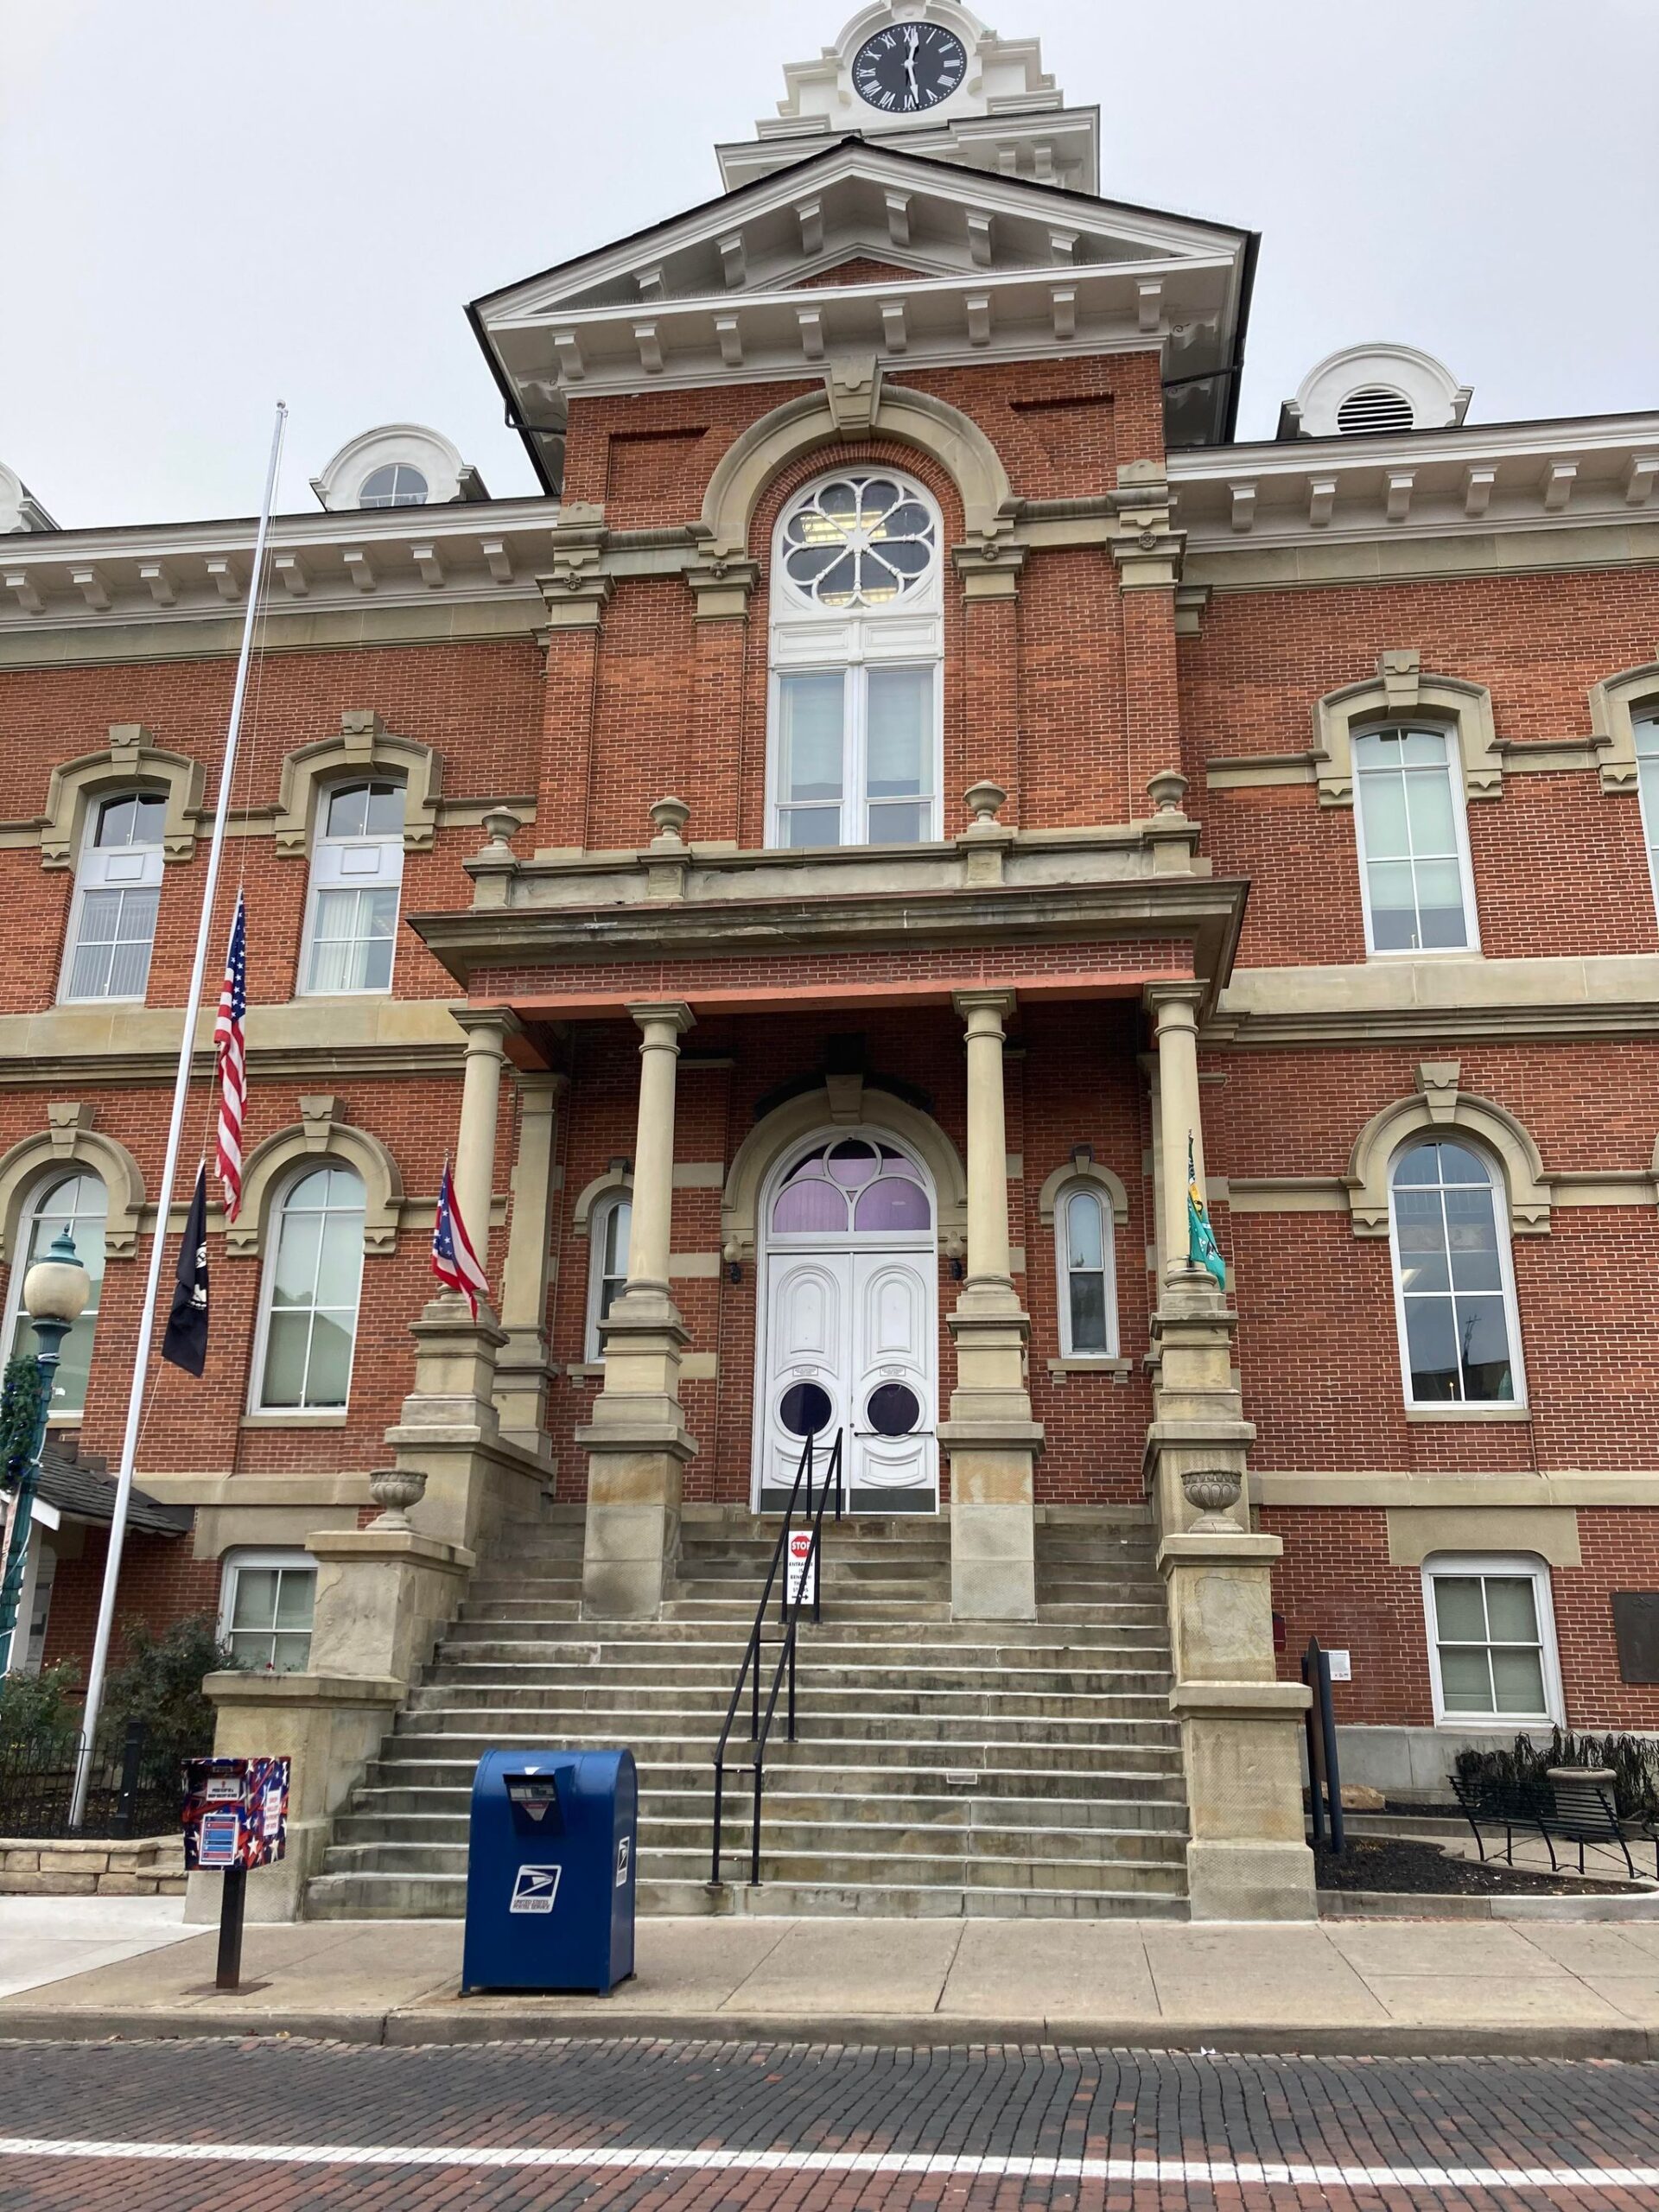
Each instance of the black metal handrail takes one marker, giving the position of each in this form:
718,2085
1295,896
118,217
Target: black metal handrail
789,1616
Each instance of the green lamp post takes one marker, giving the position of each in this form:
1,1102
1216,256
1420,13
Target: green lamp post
55,1292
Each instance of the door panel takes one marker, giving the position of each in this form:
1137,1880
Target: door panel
807,1300
894,1441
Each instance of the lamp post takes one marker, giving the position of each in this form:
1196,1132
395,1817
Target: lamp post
55,1292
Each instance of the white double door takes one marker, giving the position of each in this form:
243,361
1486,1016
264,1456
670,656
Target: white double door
851,1345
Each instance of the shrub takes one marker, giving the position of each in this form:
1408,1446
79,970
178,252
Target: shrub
1633,1760
41,1707
159,1681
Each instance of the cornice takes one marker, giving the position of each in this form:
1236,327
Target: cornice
1593,999
1356,503
1204,911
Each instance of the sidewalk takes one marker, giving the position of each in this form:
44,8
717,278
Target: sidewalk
1538,1988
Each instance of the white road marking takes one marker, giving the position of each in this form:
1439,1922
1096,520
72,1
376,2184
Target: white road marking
967,2166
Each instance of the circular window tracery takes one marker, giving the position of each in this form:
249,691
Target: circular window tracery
852,1184
859,541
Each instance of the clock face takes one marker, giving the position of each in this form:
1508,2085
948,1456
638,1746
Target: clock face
911,66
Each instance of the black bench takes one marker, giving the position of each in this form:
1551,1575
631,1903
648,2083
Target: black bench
1561,1810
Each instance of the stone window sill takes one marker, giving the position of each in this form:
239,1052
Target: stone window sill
1119,1368
1468,1413
294,1421
587,1370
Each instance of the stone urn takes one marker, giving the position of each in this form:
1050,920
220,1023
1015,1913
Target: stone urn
1211,1492
394,1490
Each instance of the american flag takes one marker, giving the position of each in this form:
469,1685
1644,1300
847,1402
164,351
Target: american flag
230,1049
453,1261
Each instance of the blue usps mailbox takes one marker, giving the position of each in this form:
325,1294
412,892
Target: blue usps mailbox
551,1873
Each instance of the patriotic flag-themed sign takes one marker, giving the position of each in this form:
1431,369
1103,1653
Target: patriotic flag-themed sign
453,1261
231,1052
185,1341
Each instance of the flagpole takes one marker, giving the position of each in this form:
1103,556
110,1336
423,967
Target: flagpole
170,1166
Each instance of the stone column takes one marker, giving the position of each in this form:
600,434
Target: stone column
1175,1011
522,1369
486,1029
991,1438
637,1442
449,1429
1239,1724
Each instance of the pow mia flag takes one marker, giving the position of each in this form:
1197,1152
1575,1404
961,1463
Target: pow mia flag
185,1341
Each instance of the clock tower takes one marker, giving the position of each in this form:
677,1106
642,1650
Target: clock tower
928,76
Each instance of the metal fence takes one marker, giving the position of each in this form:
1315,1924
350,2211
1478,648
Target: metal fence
136,1788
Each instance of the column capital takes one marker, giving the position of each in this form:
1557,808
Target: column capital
990,1003
1175,1005
659,1013
487,1027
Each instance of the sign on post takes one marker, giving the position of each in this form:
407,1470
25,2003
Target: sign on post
801,1584
235,1817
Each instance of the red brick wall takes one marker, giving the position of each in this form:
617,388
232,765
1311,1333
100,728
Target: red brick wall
1248,685
162,1581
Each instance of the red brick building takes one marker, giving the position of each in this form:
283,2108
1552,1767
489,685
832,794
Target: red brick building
901,651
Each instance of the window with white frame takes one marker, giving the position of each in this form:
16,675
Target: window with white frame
1646,766
357,870
117,893
79,1203
1416,885
266,1602
1085,1260
857,636
1491,1639
1454,1287
608,1226
308,1319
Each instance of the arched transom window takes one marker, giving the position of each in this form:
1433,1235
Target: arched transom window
1459,1339
856,639
855,1186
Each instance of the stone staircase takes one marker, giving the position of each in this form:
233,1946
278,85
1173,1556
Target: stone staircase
943,1767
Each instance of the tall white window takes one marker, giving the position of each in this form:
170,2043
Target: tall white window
307,1320
608,1227
117,891
857,637
266,1601
1454,1289
1491,1639
1084,1255
1417,887
1647,763
357,869
79,1203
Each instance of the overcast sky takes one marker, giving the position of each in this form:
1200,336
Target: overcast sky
206,207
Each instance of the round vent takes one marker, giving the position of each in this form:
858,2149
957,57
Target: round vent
1373,409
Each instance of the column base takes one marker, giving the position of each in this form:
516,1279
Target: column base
632,1536
993,1518
1240,1748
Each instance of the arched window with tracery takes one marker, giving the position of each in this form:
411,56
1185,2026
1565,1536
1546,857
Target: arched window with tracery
856,641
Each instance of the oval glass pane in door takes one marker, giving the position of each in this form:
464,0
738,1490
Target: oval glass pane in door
805,1409
893,1409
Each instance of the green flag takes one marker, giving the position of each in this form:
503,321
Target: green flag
1201,1248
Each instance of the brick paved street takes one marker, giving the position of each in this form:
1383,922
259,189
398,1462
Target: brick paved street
700,2127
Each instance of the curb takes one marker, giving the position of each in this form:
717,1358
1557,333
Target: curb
1453,1904
458,2024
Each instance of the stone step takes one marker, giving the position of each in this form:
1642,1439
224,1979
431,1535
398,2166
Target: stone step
415,1896
654,1753
817,1718
783,1832
503,1662
1106,1698
1064,1795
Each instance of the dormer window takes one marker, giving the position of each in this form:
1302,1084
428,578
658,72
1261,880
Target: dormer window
856,645
394,485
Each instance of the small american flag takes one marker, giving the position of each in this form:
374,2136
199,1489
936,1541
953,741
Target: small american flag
453,1261
230,1049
